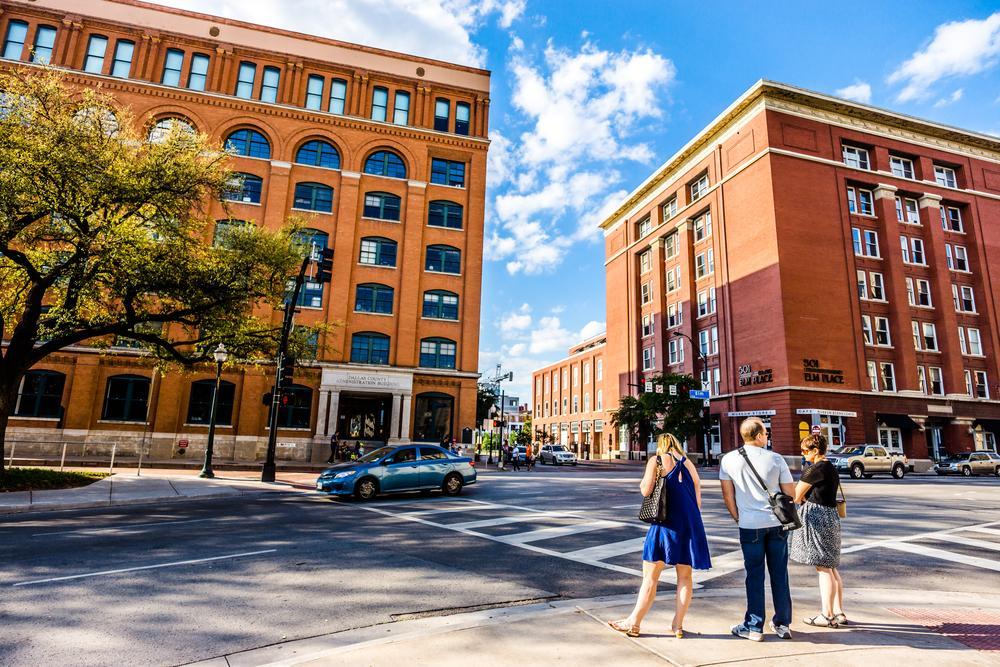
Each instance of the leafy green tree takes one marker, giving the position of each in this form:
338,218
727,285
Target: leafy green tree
522,438
656,412
105,233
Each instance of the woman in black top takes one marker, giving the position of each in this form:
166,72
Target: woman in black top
818,541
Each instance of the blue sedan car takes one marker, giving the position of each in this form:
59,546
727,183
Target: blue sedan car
398,468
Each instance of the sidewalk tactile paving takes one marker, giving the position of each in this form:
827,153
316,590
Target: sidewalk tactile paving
975,628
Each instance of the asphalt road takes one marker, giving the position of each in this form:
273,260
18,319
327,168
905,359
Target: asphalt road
182,583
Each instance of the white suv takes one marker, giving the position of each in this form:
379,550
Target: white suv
556,455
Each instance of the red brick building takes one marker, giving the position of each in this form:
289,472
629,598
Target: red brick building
818,262
384,156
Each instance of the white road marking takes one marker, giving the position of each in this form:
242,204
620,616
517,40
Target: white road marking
969,542
921,550
984,531
445,510
504,520
909,538
126,527
557,531
604,551
144,567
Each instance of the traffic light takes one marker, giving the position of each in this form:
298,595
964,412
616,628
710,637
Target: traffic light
287,370
324,267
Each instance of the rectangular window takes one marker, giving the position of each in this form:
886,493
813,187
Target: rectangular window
338,96
442,114
913,250
380,102
675,351
702,227
643,227
975,342
951,219
923,293
670,245
930,337
586,373
856,157
463,113
647,325
866,330
860,201
600,370
674,315
13,43
945,176
922,379
958,257
648,358
269,85
888,376
600,400
965,300
907,211
646,293
172,67
876,287
698,188
446,172
706,302
968,383
882,337
704,263
644,261
673,279
401,108
917,341
982,388
865,242
198,72
670,208
936,378
873,375
314,92
245,81
45,41
96,47
901,167
862,284
961,341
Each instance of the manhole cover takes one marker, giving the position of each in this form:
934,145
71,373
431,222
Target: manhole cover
975,628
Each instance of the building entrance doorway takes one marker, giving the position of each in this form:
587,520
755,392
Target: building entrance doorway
364,417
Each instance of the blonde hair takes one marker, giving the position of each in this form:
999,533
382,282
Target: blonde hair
666,442
751,428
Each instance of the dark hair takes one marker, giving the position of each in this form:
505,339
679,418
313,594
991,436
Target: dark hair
815,442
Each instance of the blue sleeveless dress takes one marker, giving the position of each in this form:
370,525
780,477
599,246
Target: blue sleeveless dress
681,540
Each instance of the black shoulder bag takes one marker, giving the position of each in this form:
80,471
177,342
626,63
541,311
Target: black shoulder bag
655,506
781,503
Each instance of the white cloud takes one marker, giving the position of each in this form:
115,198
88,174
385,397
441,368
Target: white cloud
951,99
859,91
432,28
959,48
513,323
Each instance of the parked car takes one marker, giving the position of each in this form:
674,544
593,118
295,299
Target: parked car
868,460
556,455
399,468
969,464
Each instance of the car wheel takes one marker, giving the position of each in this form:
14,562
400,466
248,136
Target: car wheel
857,471
898,471
452,484
967,471
574,462
366,488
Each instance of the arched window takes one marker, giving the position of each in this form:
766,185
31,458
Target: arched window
373,298
163,127
445,214
200,403
432,416
295,410
249,143
385,163
223,229
318,153
40,394
443,259
377,251
441,305
244,188
437,353
370,348
313,197
126,398
381,205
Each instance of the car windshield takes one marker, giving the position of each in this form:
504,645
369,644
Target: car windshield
376,455
559,448
848,451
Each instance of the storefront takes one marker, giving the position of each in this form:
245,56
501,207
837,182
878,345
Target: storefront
832,424
737,419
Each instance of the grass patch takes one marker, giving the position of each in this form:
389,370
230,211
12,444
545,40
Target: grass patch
42,479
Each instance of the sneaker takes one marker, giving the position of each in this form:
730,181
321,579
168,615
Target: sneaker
745,632
781,630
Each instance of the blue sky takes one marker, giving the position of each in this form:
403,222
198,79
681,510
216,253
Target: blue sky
589,97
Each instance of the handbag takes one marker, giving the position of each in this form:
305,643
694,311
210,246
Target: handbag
655,506
782,504
841,502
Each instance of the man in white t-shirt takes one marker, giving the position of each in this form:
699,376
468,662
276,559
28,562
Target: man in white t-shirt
762,538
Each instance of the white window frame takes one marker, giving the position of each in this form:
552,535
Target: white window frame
922,379
704,263
945,176
698,188
881,326
648,358
887,379
930,338
959,294
907,211
644,226
647,326
923,288
862,277
864,240
855,157
702,227
876,286
646,293
867,333
981,381
860,201
670,208
670,248
935,376
675,351
975,340
918,341
873,375
600,370
901,167
645,261
947,221
675,315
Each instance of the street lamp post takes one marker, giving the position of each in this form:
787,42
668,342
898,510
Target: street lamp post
221,356
703,428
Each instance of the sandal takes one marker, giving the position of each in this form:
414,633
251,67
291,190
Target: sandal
821,621
840,619
678,632
628,630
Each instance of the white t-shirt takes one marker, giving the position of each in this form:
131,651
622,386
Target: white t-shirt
751,500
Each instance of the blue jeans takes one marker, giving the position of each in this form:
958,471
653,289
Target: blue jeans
770,546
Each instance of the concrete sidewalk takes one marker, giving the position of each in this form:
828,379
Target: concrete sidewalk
887,627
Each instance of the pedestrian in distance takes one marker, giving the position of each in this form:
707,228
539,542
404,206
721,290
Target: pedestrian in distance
818,542
680,542
763,539
334,448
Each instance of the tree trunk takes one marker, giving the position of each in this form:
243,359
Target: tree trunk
7,401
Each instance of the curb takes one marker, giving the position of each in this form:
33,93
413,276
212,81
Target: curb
111,503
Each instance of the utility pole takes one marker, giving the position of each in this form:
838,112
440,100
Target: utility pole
704,427
494,383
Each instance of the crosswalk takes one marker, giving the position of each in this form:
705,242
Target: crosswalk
947,545
558,534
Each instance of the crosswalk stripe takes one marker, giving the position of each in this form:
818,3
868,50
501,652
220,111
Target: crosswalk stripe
604,551
557,531
968,541
984,531
921,550
504,520
468,507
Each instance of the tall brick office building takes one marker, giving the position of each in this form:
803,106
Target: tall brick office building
383,155
832,263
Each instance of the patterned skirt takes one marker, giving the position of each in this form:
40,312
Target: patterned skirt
817,542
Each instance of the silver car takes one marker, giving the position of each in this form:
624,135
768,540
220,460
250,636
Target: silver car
556,455
969,464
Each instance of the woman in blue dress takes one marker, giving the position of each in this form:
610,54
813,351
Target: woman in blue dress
679,542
